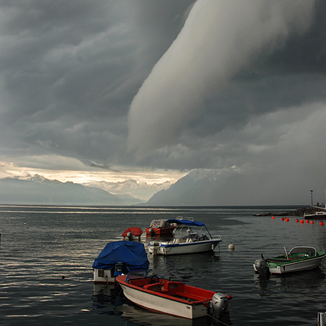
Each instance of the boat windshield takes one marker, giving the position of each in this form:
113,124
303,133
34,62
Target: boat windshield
195,234
311,251
132,275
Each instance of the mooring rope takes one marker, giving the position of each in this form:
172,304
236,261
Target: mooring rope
220,321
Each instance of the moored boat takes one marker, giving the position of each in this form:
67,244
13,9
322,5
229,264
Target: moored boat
173,298
315,216
132,233
119,257
298,259
159,227
189,237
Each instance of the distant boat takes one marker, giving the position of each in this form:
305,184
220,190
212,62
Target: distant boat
173,298
315,216
119,257
132,233
189,237
298,259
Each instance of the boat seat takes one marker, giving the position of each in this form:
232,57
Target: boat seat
153,287
139,282
173,288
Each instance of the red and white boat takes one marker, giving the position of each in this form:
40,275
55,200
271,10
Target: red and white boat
132,233
173,298
159,227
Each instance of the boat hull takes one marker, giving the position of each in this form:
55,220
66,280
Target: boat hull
316,216
298,266
166,248
131,238
103,276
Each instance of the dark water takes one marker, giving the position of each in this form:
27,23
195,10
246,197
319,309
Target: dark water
41,245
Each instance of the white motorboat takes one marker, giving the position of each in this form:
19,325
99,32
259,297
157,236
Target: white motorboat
119,257
298,259
173,298
185,240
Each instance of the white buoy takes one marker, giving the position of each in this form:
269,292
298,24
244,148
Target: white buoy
231,247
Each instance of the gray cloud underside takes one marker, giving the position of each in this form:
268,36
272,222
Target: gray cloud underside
69,72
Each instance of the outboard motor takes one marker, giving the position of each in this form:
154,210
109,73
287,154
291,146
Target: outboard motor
261,267
151,232
219,304
129,235
118,269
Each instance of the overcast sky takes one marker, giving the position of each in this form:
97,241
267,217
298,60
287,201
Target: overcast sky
102,88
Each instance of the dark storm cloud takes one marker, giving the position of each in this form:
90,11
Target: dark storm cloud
69,70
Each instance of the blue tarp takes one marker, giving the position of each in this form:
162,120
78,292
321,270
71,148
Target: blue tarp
132,254
186,222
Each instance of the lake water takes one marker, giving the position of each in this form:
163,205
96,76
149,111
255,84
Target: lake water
47,254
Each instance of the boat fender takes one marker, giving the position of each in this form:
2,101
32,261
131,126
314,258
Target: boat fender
219,304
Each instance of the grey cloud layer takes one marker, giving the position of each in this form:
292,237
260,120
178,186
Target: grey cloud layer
69,71
234,87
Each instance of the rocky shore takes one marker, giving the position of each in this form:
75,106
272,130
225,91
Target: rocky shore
297,212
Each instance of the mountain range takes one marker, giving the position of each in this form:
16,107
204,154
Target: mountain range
197,188
38,190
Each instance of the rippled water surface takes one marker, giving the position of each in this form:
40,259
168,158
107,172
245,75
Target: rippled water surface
47,254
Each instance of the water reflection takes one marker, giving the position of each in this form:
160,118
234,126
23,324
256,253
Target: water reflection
299,281
184,267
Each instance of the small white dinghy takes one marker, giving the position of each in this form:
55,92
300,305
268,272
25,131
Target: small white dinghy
298,259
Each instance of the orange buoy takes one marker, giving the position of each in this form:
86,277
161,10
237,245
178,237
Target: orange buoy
282,218
321,223
287,219
297,220
307,221
311,222
273,217
302,221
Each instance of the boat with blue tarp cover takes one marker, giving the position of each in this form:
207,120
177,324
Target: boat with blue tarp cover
119,257
188,237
